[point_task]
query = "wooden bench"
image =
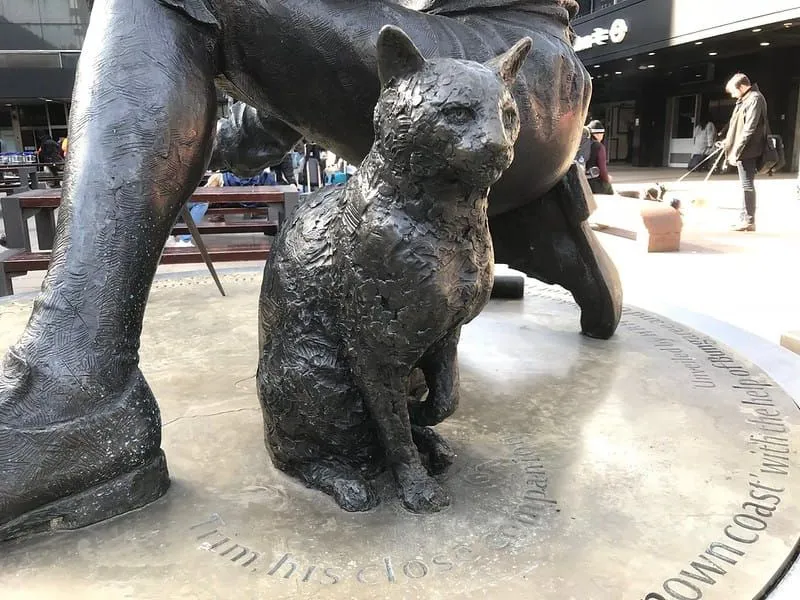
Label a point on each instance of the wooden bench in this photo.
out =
(264, 226)
(19, 262)
(274, 202)
(27, 176)
(656, 226)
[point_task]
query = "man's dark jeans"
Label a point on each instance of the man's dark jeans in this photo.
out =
(747, 176)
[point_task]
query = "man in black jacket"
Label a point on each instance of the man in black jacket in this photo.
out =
(745, 142)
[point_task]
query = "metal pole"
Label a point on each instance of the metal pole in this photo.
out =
(716, 164)
(187, 217)
(709, 157)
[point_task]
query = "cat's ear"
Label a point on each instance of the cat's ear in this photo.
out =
(508, 64)
(397, 55)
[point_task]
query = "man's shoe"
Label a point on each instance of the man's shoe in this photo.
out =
(73, 450)
(744, 226)
(551, 240)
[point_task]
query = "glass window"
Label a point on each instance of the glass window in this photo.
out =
(24, 60)
(63, 37)
(57, 11)
(58, 132)
(58, 24)
(20, 11)
(683, 119)
(33, 115)
(69, 60)
(584, 7)
(28, 140)
(5, 117)
(590, 6)
(58, 114)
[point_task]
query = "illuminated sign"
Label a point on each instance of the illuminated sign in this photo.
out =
(600, 37)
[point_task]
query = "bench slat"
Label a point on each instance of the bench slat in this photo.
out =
(39, 261)
(252, 226)
(51, 198)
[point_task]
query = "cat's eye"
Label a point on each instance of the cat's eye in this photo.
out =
(510, 118)
(459, 114)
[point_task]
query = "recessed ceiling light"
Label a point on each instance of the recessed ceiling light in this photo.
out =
(757, 29)
(788, 24)
(698, 43)
(712, 53)
(597, 66)
(651, 66)
(765, 43)
(651, 54)
(629, 59)
(617, 72)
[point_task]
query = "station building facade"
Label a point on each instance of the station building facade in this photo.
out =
(657, 64)
(40, 41)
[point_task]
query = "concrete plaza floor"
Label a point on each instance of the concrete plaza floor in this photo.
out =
(585, 469)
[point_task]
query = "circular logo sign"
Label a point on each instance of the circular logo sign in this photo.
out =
(618, 31)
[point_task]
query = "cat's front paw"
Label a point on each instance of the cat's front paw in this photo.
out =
(421, 493)
(435, 453)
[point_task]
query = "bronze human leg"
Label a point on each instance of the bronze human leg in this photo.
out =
(80, 430)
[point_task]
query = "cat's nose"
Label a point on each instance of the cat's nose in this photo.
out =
(498, 149)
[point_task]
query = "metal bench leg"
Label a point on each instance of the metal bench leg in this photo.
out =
(46, 228)
(34, 179)
(290, 202)
(17, 235)
(6, 287)
(201, 245)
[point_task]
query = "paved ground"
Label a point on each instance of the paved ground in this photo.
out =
(584, 470)
(747, 279)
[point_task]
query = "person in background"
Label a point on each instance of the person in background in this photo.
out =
(705, 134)
(584, 149)
(198, 211)
(284, 172)
(631, 131)
(49, 153)
(597, 163)
(746, 141)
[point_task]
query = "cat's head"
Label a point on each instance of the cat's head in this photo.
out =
(447, 119)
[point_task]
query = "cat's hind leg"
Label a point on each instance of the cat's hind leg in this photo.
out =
(351, 491)
(440, 367)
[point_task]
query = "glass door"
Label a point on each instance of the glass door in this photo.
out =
(680, 125)
(9, 134)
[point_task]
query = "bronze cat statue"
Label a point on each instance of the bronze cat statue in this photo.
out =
(370, 281)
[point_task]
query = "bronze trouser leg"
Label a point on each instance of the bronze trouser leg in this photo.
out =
(74, 408)
(140, 127)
